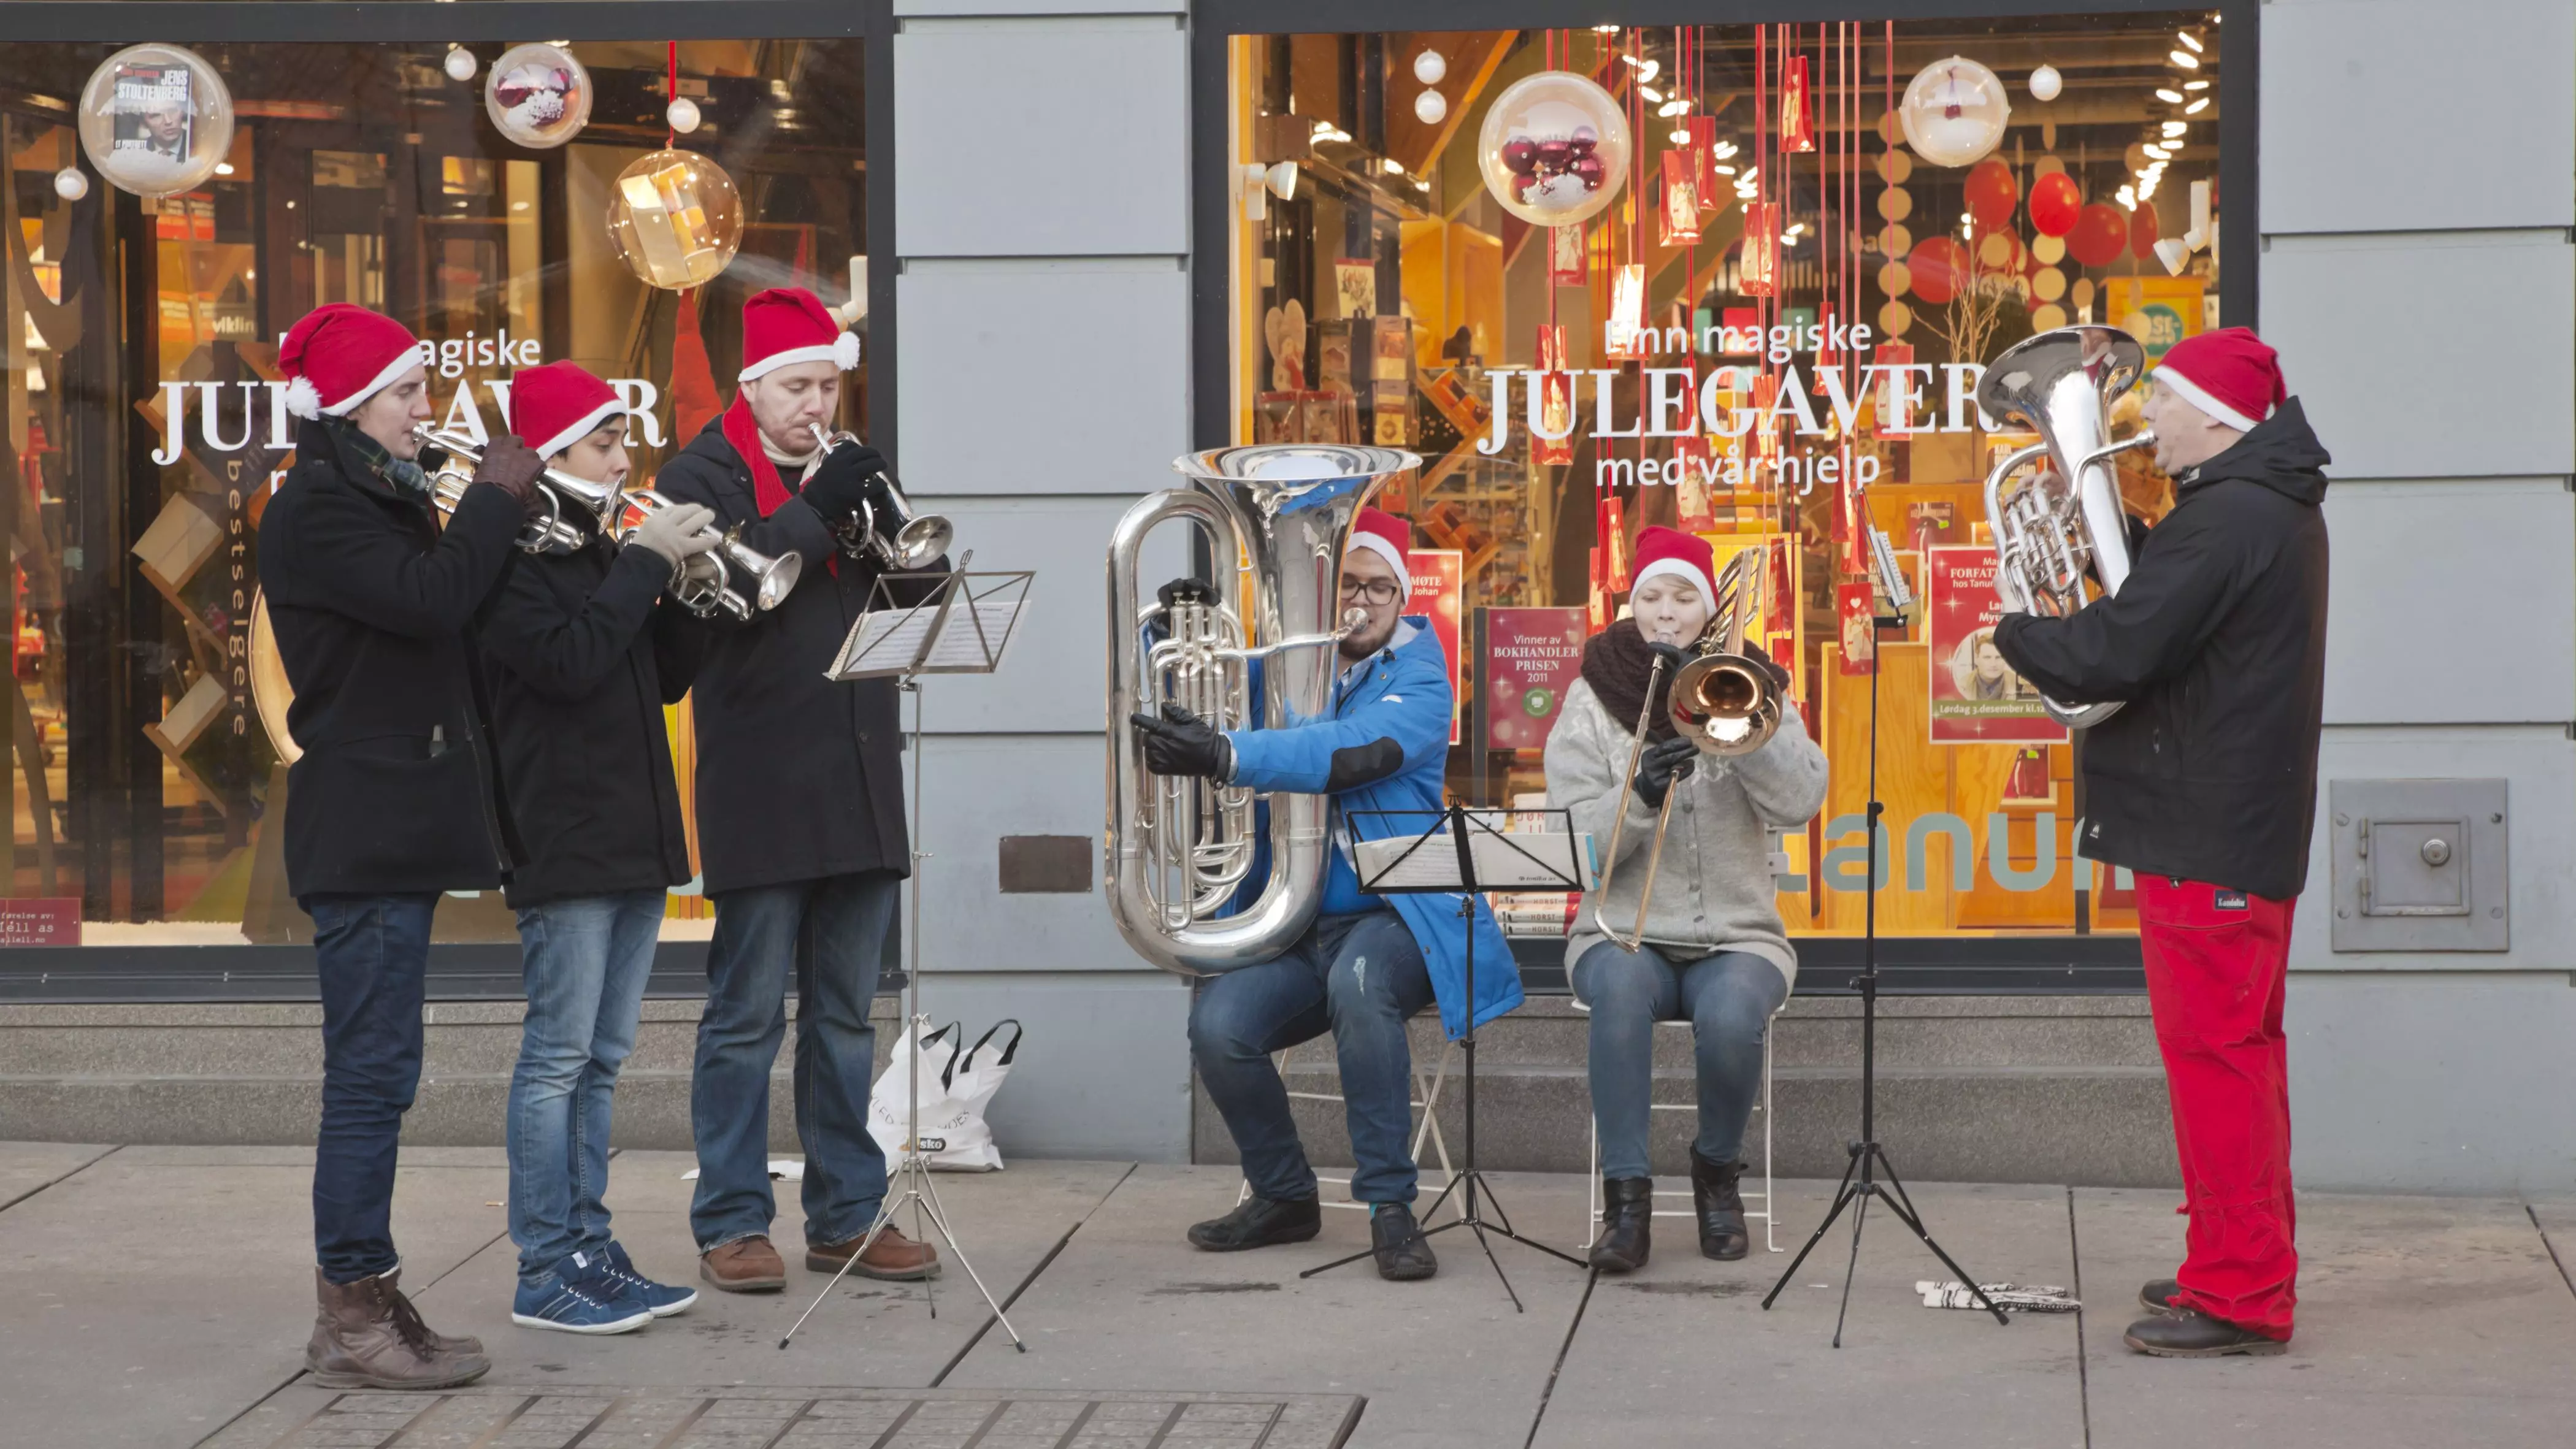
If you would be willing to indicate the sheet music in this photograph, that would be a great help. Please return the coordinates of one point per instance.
(1503, 862)
(886, 641)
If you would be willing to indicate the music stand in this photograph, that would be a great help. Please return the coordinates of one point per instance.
(1868, 1159)
(1480, 858)
(961, 627)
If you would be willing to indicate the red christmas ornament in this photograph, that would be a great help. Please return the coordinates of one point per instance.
(1797, 121)
(2142, 232)
(1992, 193)
(2055, 202)
(1939, 266)
(1520, 153)
(2100, 231)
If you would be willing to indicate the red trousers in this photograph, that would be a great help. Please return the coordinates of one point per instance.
(2217, 961)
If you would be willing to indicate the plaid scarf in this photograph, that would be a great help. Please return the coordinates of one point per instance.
(402, 473)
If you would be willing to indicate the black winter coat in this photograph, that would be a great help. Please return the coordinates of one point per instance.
(799, 776)
(372, 606)
(581, 661)
(2217, 642)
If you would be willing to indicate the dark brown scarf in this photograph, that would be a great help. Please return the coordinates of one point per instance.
(1616, 662)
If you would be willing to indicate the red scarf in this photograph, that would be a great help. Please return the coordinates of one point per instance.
(768, 490)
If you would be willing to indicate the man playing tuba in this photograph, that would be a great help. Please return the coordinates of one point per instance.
(1368, 963)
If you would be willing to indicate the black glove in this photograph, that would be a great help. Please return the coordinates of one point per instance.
(1779, 676)
(1186, 591)
(840, 480)
(1662, 764)
(1181, 743)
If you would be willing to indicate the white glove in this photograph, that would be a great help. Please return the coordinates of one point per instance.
(677, 533)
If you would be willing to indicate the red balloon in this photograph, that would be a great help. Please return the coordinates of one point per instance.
(2055, 201)
(2142, 231)
(1992, 193)
(1938, 265)
(2100, 231)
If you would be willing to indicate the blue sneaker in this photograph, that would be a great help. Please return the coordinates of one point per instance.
(662, 1299)
(579, 1297)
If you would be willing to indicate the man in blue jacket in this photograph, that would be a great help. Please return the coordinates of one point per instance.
(1368, 962)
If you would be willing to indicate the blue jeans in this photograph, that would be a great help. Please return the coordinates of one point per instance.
(829, 937)
(585, 961)
(1727, 998)
(1358, 977)
(372, 954)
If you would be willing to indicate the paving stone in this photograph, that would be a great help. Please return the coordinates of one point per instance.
(27, 1167)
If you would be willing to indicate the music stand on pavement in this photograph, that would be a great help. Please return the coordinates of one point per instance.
(1477, 858)
(960, 627)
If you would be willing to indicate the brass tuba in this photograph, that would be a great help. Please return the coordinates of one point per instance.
(2063, 520)
(1178, 849)
(1722, 701)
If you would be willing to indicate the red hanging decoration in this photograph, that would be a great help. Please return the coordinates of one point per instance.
(1681, 200)
(1797, 119)
(1992, 194)
(2100, 231)
(2055, 202)
(1565, 256)
(1758, 269)
(2143, 232)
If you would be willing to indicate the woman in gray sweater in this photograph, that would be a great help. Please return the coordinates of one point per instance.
(1715, 954)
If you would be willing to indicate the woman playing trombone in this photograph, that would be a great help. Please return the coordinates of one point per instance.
(1711, 951)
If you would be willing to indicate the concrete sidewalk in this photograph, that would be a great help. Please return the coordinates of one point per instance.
(160, 1296)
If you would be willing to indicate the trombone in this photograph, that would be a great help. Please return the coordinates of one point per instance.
(1722, 701)
(887, 529)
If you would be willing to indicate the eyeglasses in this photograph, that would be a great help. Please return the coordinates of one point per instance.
(1376, 591)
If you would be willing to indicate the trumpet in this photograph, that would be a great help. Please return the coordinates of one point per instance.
(1722, 701)
(887, 529)
(549, 532)
(704, 583)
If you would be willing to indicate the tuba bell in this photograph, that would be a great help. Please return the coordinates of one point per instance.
(1179, 850)
(2061, 520)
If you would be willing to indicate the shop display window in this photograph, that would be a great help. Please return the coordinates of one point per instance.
(140, 333)
(1740, 280)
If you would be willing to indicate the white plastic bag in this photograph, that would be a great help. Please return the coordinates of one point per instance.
(956, 1087)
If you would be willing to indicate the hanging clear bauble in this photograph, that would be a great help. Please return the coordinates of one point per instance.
(538, 95)
(675, 219)
(1431, 108)
(71, 183)
(460, 63)
(1954, 112)
(1429, 67)
(156, 119)
(682, 113)
(2046, 83)
(1554, 148)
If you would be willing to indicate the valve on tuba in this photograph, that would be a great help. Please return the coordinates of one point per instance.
(1723, 701)
(887, 529)
(1180, 850)
(2061, 521)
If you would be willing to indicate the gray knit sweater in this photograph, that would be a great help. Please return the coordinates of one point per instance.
(1714, 892)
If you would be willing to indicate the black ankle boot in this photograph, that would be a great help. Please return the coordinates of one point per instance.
(1720, 1208)
(1260, 1222)
(1403, 1254)
(1627, 1224)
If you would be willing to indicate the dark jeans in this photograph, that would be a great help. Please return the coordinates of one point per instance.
(829, 937)
(1727, 998)
(372, 953)
(1358, 977)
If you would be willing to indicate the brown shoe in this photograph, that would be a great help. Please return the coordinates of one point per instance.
(745, 1265)
(892, 1258)
(368, 1336)
(462, 1343)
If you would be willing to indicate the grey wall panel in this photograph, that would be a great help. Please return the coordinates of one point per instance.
(2540, 763)
(1104, 1067)
(2394, 658)
(1054, 676)
(2497, 150)
(980, 788)
(2441, 355)
(998, 129)
(2432, 1084)
(1040, 376)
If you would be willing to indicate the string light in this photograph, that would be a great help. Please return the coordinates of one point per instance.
(2184, 59)
(2169, 97)
(2187, 38)
(2196, 107)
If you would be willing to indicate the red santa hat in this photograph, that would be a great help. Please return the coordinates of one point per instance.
(557, 405)
(339, 356)
(787, 325)
(1665, 551)
(1387, 536)
(2230, 374)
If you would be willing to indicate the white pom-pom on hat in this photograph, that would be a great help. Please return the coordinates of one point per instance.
(302, 400)
(845, 350)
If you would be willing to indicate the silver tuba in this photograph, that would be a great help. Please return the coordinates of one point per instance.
(887, 528)
(2063, 519)
(1178, 849)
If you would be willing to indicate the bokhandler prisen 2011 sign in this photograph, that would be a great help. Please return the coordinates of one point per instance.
(1532, 656)
(1977, 699)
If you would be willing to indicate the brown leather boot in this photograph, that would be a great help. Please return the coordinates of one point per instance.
(460, 1343)
(368, 1336)
(745, 1265)
(893, 1257)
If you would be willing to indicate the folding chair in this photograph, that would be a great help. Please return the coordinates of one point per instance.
(1426, 1101)
(1761, 1108)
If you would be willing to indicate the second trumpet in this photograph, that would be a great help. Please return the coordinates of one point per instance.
(705, 583)
(887, 529)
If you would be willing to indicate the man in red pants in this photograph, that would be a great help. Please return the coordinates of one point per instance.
(2205, 786)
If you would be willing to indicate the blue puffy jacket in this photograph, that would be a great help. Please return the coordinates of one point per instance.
(1385, 748)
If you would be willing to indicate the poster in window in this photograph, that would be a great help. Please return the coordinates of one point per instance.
(155, 117)
(1355, 285)
(1976, 697)
(2158, 311)
(1438, 578)
(1532, 656)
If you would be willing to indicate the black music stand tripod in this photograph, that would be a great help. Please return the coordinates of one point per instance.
(1410, 869)
(1869, 1161)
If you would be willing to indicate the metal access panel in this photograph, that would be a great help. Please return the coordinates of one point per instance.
(2420, 865)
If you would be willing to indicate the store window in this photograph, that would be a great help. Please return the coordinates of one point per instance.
(144, 418)
(1736, 280)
